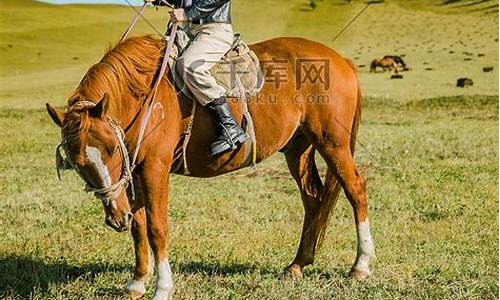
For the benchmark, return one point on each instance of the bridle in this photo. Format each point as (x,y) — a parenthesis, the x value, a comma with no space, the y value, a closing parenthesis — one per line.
(109,194)
(106,194)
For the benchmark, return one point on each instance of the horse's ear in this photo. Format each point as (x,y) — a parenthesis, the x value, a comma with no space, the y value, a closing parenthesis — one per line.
(55,115)
(101,108)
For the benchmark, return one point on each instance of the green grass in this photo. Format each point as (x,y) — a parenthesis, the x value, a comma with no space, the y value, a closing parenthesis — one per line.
(431,168)
(427,149)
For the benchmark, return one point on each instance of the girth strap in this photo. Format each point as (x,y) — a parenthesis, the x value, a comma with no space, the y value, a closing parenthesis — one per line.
(248,117)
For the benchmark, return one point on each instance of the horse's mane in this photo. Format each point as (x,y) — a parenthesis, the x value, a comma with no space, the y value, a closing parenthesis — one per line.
(125,71)
(127,67)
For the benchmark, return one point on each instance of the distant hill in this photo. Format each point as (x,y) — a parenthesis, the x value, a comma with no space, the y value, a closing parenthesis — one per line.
(45,49)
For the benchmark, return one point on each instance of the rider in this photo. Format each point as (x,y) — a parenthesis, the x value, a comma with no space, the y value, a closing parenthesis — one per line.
(211,33)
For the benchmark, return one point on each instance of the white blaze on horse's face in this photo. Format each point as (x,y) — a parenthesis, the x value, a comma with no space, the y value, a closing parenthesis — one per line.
(95,157)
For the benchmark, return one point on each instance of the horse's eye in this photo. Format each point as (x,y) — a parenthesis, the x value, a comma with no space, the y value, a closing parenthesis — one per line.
(112,149)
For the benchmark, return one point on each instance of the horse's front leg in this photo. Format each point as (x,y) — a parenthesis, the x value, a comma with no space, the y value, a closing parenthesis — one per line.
(144,264)
(155,178)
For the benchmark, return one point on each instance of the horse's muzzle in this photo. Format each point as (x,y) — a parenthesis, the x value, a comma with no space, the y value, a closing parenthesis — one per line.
(123,225)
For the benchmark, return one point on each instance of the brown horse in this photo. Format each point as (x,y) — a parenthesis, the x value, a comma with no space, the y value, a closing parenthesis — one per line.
(386,63)
(310,102)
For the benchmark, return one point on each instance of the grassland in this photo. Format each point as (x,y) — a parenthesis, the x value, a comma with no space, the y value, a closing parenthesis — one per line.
(429,152)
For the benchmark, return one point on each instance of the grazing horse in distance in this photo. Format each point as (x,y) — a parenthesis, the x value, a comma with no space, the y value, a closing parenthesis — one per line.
(384,63)
(398,60)
(295,113)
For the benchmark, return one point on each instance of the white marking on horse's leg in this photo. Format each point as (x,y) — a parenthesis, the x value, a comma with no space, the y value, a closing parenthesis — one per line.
(165,283)
(151,262)
(365,249)
(94,156)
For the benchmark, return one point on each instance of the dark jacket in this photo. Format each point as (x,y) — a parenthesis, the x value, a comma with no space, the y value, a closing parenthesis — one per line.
(204,11)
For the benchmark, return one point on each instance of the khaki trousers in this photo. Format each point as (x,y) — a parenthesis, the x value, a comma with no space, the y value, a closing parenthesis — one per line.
(209,43)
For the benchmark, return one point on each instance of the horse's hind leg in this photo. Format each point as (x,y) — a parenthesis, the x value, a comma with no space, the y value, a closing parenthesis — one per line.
(300,160)
(341,163)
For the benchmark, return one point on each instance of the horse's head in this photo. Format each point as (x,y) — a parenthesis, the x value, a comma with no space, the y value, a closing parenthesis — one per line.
(94,148)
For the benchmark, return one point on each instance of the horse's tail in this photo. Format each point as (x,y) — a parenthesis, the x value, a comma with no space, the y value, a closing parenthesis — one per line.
(328,202)
(357,114)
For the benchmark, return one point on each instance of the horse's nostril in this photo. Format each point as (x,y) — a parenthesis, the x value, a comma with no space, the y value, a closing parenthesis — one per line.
(111,223)
(123,224)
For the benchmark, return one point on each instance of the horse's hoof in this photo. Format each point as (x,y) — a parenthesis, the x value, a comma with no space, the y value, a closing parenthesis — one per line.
(294,271)
(133,295)
(359,275)
(134,289)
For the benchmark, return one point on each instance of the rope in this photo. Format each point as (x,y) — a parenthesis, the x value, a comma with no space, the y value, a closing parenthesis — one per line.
(144,18)
(352,21)
(134,20)
(151,103)
(187,137)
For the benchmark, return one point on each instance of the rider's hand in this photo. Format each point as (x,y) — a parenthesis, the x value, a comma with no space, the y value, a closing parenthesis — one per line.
(178,15)
(155,2)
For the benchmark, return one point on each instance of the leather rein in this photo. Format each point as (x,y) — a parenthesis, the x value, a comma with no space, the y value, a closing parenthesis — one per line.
(109,194)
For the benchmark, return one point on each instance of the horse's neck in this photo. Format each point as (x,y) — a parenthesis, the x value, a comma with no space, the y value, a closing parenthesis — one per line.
(130,111)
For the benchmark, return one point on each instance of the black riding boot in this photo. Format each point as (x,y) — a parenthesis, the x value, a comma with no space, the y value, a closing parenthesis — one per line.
(230,133)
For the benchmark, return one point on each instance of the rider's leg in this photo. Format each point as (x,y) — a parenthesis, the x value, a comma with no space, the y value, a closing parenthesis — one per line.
(210,43)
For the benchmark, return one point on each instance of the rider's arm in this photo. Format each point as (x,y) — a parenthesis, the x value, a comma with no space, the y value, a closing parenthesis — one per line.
(202,7)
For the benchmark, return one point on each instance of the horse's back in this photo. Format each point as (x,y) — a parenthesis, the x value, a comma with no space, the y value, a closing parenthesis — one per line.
(309,63)
(294,47)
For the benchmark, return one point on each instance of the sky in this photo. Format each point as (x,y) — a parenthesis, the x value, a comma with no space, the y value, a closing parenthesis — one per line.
(123,2)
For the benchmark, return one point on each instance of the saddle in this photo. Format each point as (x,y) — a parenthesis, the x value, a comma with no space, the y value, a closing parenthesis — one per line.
(240,65)
(238,71)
